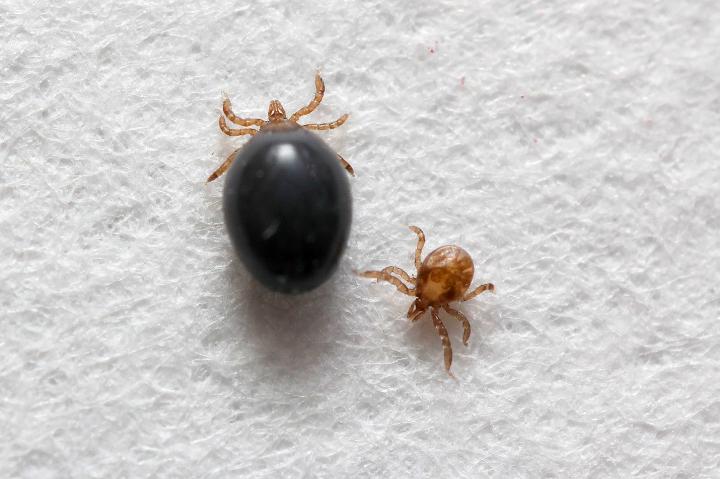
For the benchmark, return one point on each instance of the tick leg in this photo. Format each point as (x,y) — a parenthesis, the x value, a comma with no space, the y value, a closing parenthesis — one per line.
(223,168)
(420,244)
(327,126)
(483,287)
(227,110)
(346,165)
(400,272)
(230,132)
(442,331)
(461,317)
(381,275)
(319,92)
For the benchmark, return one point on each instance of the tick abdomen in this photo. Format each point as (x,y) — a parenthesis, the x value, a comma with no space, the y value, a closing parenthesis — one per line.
(445,275)
(288,208)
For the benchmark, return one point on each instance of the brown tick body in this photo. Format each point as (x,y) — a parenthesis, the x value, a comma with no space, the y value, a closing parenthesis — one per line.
(277,121)
(443,277)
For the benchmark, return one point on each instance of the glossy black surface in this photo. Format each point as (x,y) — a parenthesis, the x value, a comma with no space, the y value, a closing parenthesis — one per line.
(288,209)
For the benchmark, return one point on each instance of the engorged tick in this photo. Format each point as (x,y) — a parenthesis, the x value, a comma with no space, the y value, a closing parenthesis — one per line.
(286,199)
(444,276)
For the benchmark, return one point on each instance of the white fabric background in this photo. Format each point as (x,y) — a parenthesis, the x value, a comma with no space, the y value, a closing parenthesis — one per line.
(570,147)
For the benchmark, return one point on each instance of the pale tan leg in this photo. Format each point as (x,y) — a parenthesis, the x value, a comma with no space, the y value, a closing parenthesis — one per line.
(400,272)
(230,132)
(346,165)
(442,331)
(380,275)
(319,92)
(483,287)
(461,317)
(327,126)
(420,244)
(227,109)
(223,168)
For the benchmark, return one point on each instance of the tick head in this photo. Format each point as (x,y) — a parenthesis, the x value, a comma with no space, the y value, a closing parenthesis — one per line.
(276,112)
(416,309)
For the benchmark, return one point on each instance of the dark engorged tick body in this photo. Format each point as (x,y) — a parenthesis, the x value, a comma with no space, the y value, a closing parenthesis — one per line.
(287,199)
(288,208)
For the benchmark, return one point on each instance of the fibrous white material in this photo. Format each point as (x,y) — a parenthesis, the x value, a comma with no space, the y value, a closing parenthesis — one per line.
(570,147)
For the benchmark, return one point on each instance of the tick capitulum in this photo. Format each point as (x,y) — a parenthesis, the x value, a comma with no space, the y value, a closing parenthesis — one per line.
(443,277)
(286,199)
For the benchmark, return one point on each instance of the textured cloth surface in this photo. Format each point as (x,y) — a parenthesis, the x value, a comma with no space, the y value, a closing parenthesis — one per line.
(569,146)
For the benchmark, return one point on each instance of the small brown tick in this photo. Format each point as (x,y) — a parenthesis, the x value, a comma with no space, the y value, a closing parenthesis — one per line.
(277,122)
(444,276)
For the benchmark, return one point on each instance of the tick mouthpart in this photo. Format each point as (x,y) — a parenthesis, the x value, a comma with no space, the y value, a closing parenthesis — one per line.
(276,112)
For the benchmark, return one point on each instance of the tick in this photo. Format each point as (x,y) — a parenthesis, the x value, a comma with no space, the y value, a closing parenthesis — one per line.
(443,276)
(286,199)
